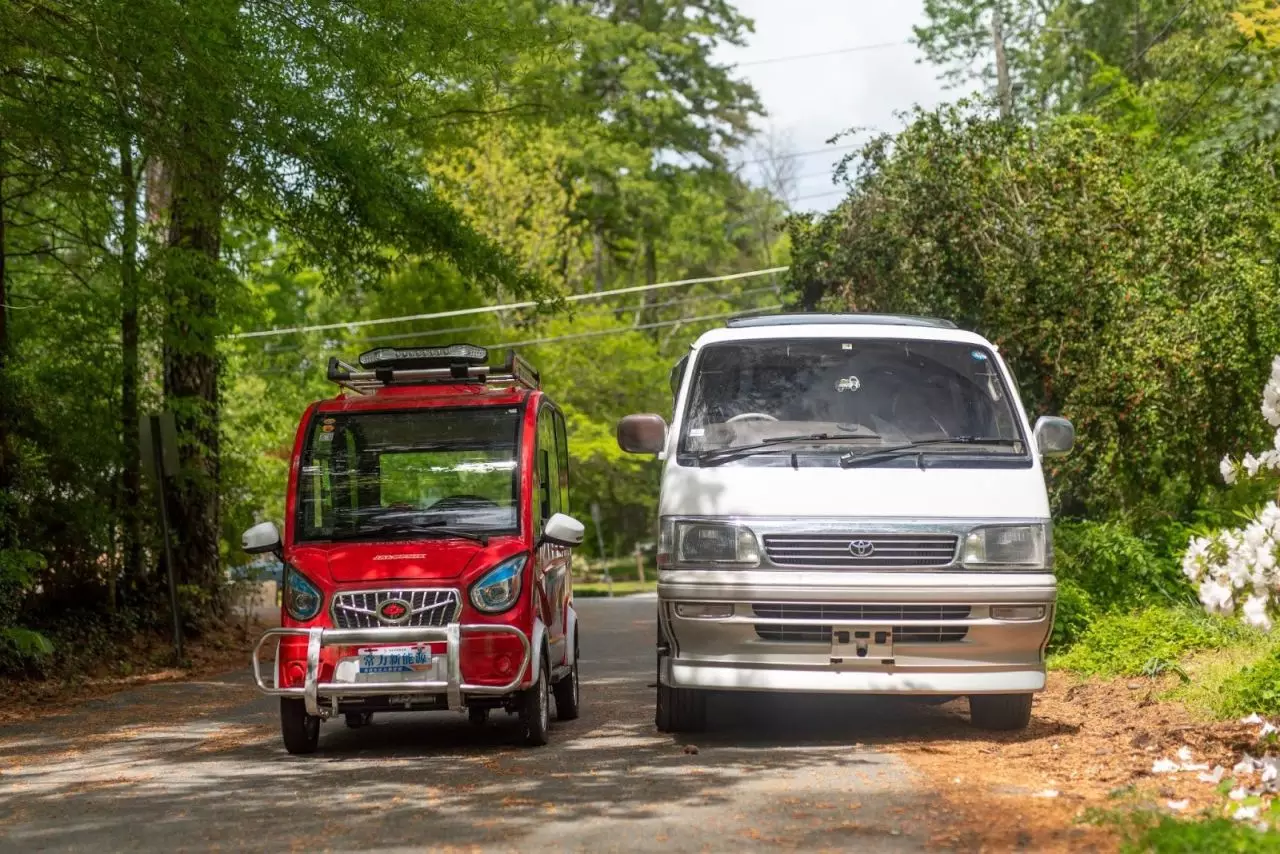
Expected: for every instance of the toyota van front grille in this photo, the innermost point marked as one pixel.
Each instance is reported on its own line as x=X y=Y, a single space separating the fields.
x=837 y=613
x=861 y=551
x=363 y=609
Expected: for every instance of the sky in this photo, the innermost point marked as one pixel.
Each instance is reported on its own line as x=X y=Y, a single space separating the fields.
x=810 y=100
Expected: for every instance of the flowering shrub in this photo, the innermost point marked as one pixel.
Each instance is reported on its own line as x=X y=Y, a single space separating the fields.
x=1238 y=569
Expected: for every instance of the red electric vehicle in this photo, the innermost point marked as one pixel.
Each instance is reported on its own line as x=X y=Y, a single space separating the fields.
x=426 y=548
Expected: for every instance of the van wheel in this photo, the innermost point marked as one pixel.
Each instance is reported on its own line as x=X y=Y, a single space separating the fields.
x=1000 y=711
x=568 y=691
x=535 y=709
x=355 y=720
x=679 y=709
x=301 y=731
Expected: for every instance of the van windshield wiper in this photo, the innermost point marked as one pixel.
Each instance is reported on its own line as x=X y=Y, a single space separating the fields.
x=723 y=455
x=428 y=530
x=876 y=455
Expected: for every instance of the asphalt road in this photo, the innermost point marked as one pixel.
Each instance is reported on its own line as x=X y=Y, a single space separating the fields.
x=199 y=766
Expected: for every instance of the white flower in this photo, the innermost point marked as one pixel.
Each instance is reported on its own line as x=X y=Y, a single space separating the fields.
x=1214 y=776
x=1238 y=794
x=1251 y=464
x=1228 y=469
x=1164 y=766
x=1244 y=813
x=1216 y=597
x=1255 y=613
x=1178 y=806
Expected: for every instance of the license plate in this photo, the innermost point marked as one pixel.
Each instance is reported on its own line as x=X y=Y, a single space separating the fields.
x=861 y=644
x=385 y=660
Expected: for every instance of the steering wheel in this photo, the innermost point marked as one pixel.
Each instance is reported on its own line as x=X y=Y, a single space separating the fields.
x=450 y=502
x=751 y=416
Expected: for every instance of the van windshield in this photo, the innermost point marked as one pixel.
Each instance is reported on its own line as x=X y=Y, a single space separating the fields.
x=848 y=397
x=404 y=475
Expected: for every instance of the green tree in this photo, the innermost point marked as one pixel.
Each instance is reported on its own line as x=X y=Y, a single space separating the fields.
x=1129 y=291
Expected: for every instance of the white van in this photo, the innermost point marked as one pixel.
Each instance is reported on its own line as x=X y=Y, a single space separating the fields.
x=851 y=503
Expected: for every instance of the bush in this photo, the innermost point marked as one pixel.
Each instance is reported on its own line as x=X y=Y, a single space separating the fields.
x=1168 y=835
x=1256 y=688
x=1147 y=642
x=1073 y=616
x=1117 y=568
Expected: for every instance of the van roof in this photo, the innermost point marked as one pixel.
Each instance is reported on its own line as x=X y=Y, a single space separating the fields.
x=841 y=326
x=859 y=318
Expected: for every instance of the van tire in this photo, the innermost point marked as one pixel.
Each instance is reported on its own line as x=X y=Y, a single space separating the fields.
x=535 y=709
x=568 y=690
x=300 y=730
x=1000 y=711
x=679 y=709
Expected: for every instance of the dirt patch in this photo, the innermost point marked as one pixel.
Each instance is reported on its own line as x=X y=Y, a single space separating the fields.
x=1089 y=745
x=213 y=654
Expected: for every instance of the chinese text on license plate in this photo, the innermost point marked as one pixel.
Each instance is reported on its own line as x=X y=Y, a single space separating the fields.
x=384 y=660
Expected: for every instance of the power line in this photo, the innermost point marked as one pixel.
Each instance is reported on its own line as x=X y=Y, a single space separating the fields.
x=593 y=334
x=490 y=309
x=854 y=49
x=796 y=154
x=1133 y=63
x=401 y=336
x=821 y=195
x=657 y=325
x=1186 y=112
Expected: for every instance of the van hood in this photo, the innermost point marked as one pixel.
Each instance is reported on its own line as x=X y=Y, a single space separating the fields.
x=935 y=493
x=421 y=560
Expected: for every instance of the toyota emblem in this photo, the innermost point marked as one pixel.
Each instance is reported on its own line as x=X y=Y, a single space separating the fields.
x=394 y=611
x=862 y=548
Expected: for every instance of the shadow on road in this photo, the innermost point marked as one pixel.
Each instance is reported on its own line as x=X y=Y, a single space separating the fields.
x=200 y=765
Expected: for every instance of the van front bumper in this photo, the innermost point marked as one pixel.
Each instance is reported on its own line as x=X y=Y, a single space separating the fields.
x=313 y=691
x=939 y=633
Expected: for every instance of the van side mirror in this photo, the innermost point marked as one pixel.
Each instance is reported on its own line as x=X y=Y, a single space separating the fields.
x=262 y=538
x=563 y=530
x=1055 y=437
x=642 y=434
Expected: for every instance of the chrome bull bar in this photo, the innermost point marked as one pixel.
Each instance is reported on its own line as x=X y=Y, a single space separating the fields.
x=453 y=686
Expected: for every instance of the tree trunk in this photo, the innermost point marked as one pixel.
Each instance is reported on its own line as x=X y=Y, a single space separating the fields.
x=192 y=274
x=1003 y=85
x=8 y=463
x=131 y=462
x=650 y=277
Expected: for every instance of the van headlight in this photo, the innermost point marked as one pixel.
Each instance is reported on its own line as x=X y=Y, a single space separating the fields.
x=499 y=588
x=302 y=599
x=712 y=543
x=1007 y=547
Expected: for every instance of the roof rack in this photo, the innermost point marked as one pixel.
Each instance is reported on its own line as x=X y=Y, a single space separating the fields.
x=458 y=364
x=813 y=318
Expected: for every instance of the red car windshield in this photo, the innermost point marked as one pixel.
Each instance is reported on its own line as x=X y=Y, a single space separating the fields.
x=401 y=475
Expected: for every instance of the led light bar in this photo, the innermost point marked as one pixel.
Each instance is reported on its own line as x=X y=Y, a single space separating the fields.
x=386 y=357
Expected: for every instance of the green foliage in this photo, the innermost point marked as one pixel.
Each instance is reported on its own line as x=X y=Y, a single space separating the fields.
x=1127 y=291
x=1117 y=568
x=1146 y=642
x=1255 y=688
x=1073 y=615
x=1153 y=833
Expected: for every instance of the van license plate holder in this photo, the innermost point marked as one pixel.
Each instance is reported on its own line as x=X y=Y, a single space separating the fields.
x=851 y=644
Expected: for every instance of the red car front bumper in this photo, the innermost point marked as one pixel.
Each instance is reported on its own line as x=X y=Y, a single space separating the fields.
x=478 y=660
